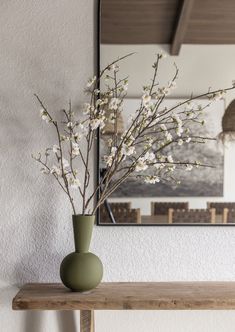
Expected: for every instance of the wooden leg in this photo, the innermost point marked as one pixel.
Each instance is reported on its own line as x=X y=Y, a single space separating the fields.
x=87 y=322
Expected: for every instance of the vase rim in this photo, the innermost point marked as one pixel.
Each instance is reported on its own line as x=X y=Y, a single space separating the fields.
x=83 y=215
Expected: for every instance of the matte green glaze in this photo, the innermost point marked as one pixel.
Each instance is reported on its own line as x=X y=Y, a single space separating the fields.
x=81 y=270
x=82 y=229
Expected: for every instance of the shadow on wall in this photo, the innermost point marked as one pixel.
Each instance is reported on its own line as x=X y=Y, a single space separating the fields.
x=33 y=321
x=41 y=260
x=65 y=320
x=33 y=234
x=41 y=263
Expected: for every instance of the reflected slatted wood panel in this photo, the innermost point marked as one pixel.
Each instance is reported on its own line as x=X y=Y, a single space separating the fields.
x=211 y=22
x=138 y=21
x=164 y=22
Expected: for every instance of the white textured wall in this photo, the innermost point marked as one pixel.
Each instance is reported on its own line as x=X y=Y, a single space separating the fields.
x=47 y=47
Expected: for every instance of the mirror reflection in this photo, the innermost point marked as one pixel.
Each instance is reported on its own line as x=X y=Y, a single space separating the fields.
x=201 y=42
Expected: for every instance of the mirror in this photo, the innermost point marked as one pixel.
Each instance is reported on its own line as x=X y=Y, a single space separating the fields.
x=202 y=44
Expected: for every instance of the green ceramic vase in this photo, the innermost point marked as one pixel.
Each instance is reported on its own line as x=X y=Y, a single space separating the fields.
x=81 y=270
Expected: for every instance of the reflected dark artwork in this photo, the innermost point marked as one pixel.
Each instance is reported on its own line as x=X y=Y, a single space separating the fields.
x=199 y=182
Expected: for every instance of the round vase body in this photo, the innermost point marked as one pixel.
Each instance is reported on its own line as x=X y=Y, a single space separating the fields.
x=81 y=271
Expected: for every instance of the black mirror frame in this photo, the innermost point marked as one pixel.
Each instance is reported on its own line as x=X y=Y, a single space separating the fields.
x=97 y=156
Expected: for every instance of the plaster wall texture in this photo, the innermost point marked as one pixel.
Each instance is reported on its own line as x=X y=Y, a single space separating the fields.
x=48 y=47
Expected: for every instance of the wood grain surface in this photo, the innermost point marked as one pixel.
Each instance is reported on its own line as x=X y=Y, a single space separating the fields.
x=126 y=295
x=87 y=323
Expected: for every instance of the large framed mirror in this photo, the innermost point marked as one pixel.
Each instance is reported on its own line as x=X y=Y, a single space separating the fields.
x=199 y=36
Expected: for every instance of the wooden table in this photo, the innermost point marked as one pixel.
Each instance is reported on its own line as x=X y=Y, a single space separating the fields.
x=127 y=296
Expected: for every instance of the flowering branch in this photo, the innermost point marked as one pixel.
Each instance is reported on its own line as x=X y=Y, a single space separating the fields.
x=61 y=160
x=144 y=145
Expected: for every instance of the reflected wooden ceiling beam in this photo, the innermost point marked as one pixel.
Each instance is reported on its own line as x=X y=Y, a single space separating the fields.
x=181 y=27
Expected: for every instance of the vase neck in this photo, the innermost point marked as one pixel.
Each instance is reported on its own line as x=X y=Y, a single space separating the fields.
x=82 y=228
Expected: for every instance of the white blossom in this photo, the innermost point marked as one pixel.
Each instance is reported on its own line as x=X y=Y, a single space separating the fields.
x=65 y=163
x=188 y=139
x=190 y=114
x=171 y=168
x=162 y=55
x=149 y=156
x=162 y=158
x=114 y=67
x=98 y=103
x=129 y=140
x=94 y=123
x=146 y=98
x=159 y=166
x=217 y=95
x=189 y=167
x=74 y=182
x=179 y=131
x=83 y=129
x=177 y=119
x=114 y=103
x=111 y=118
x=77 y=136
x=190 y=105
x=152 y=179
x=64 y=138
x=141 y=165
x=149 y=141
x=110 y=142
x=97 y=122
x=180 y=142
x=70 y=125
x=125 y=86
x=109 y=159
x=75 y=149
x=44 y=170
x=127 y=150
x=163 y=127
x=44 y=115
x=162 y=92
x=55 y=170
x=146 y=88
x=155 y=121
x=55 y=148
x=170 y=159
x=168 y=136
x=113 y=151
x=86 y=108
x=91 y=81
x=37 y=156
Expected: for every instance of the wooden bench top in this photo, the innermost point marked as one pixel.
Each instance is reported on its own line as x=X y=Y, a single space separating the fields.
x=129 y=295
